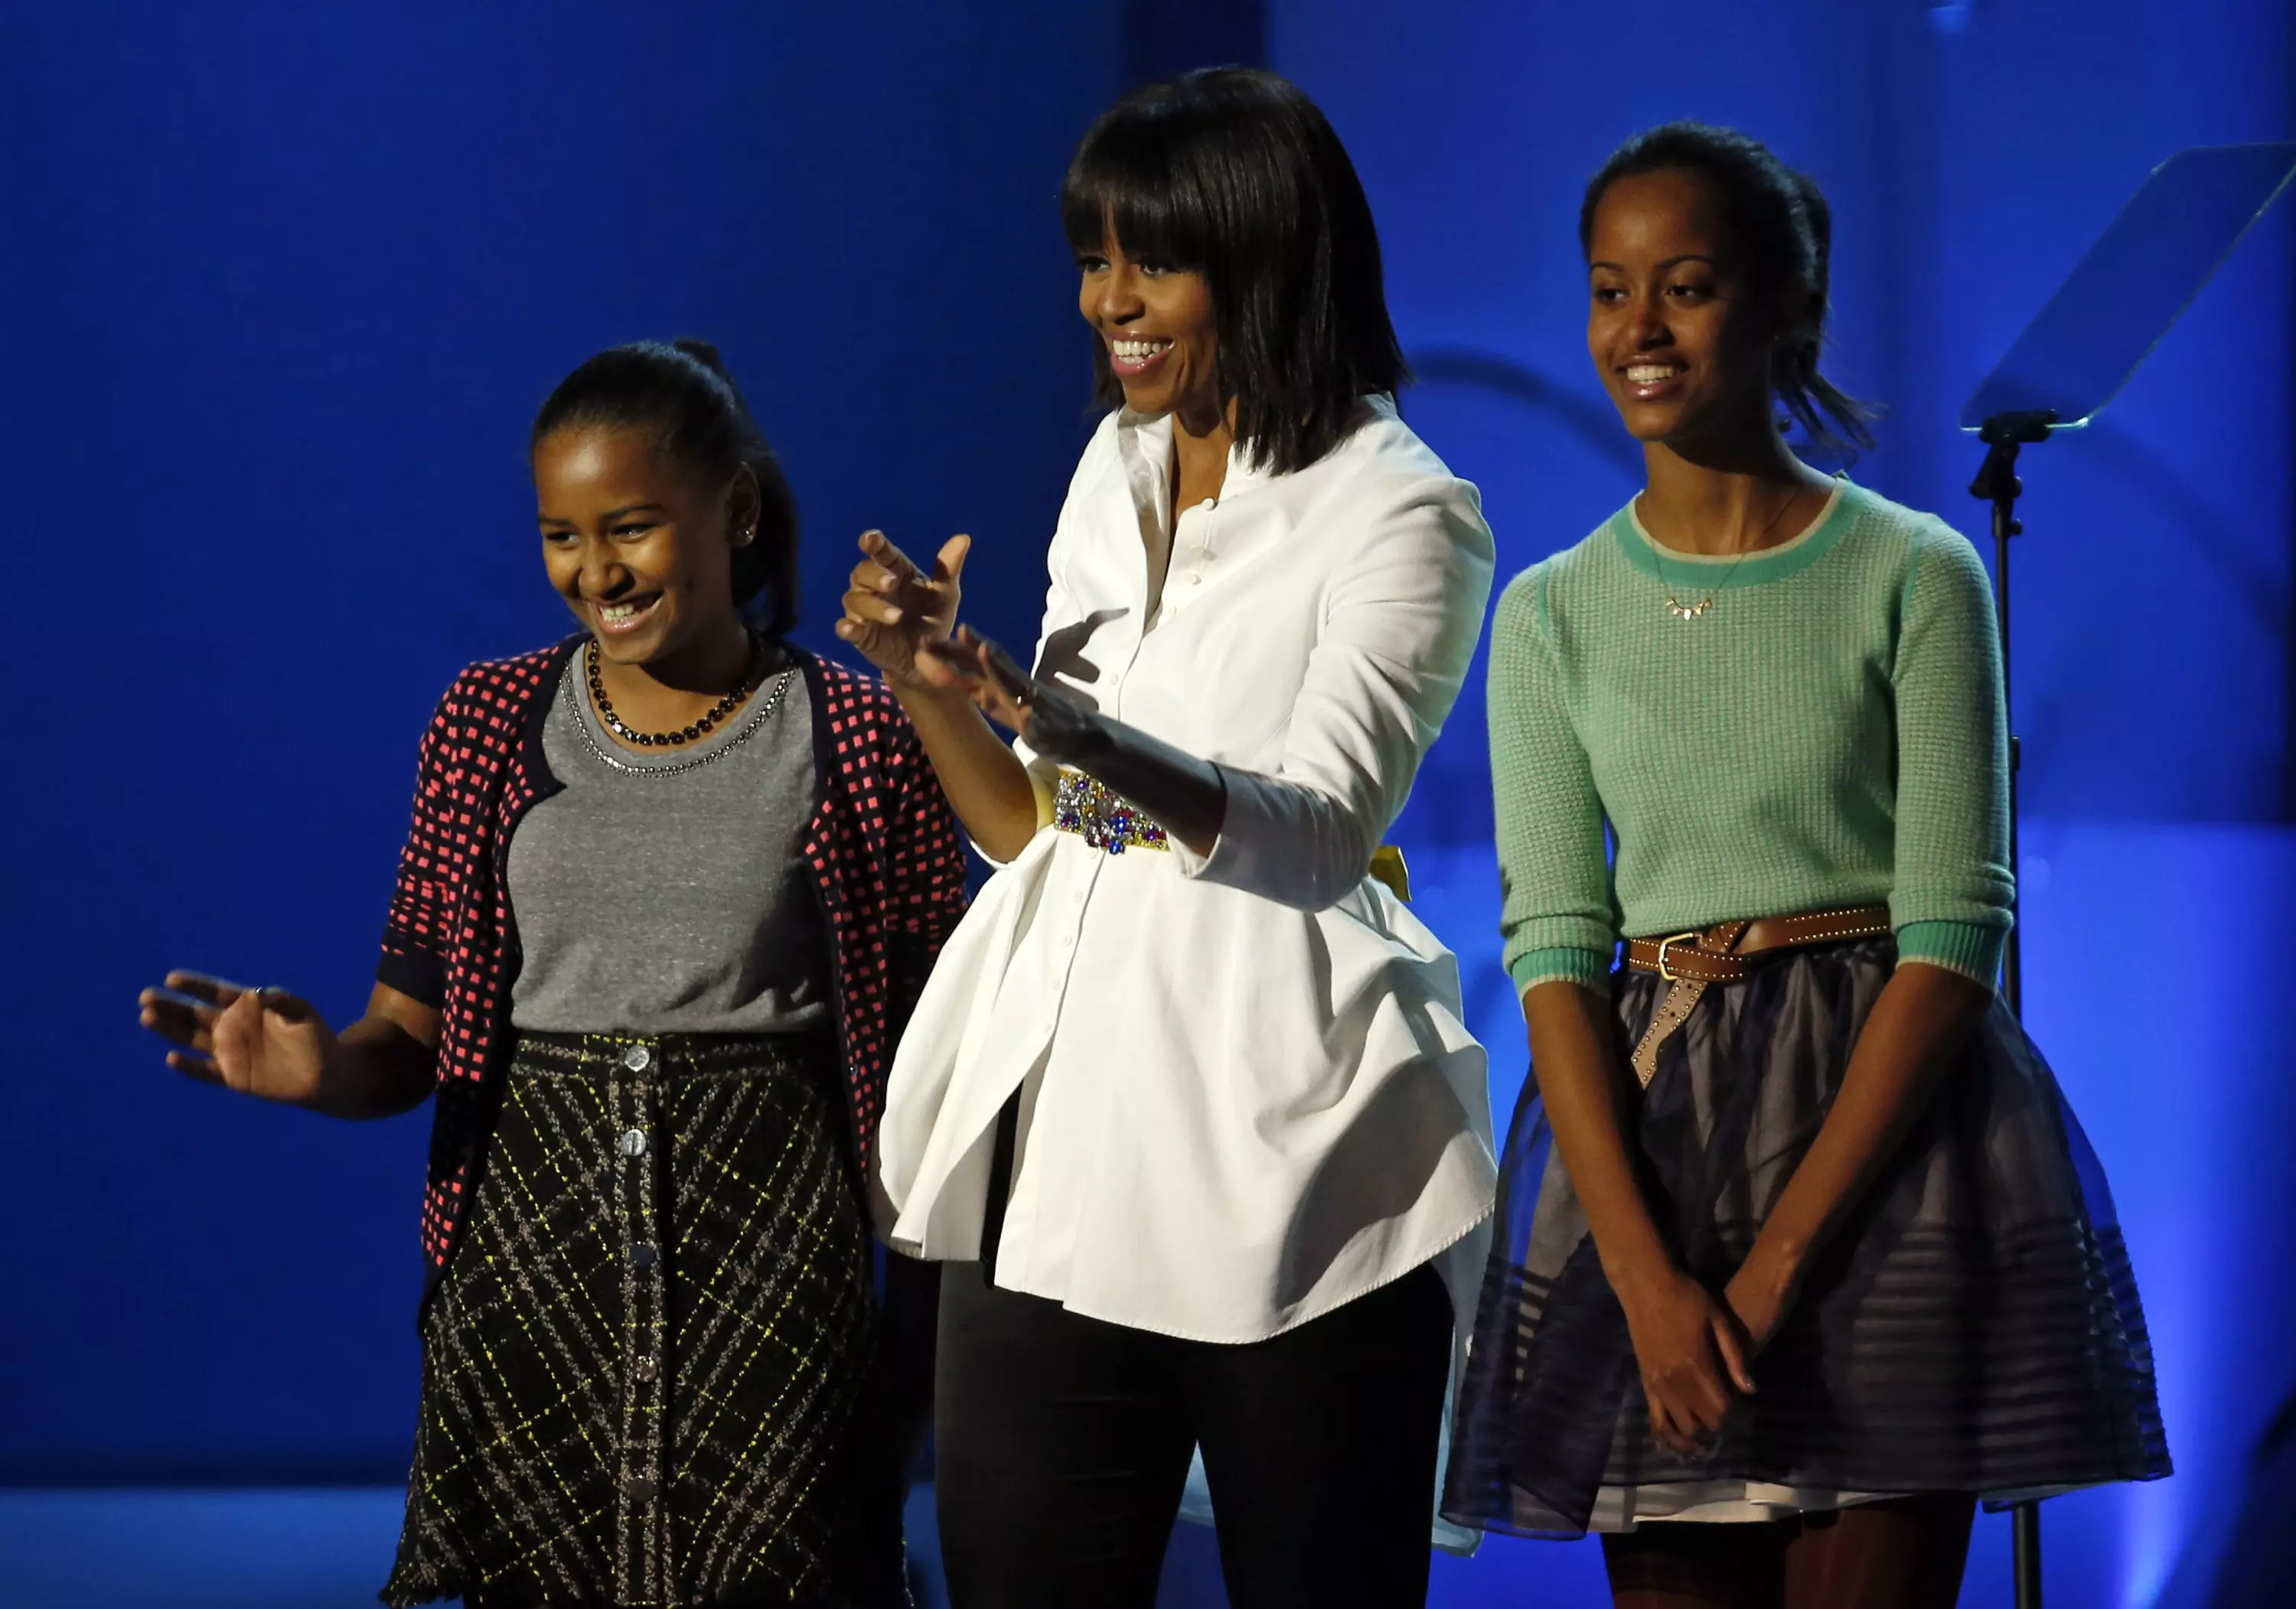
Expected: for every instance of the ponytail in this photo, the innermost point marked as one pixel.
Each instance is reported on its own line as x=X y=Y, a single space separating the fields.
x=684 y=394
x=1812 y=399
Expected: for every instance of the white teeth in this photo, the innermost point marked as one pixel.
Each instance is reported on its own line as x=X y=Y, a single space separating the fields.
x=1648 y=374
x=618 y=612
x=1137 y=352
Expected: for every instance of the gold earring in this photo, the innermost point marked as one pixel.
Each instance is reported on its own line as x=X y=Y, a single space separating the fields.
x=744 y=536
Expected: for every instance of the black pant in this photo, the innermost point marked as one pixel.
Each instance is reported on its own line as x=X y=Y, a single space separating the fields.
x=888 y=1434
x=1063 y=1445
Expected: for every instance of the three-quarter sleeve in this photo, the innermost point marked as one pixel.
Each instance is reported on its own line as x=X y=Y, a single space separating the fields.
x=414 y=934
x=1558 y=915
x=1950 y=900
x=1403 y=608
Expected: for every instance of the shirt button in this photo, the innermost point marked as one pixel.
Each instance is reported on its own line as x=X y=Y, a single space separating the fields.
x=1194 y=578
x=643 y=1254
x=640 y=1490
x=633 y=1142
x=644 y=1366
x=637 y=1059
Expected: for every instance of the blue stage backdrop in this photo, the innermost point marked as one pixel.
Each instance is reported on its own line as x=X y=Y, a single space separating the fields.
x=288 y=282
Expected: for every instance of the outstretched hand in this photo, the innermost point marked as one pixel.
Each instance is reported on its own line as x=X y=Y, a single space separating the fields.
x=258 y=1041
x=895 y=609
x=1051 y=719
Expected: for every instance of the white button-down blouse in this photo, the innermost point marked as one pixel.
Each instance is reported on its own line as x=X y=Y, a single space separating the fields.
x=1248 y=1094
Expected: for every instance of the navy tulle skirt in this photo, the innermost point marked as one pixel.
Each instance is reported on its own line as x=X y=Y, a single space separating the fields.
x=1974 y=1327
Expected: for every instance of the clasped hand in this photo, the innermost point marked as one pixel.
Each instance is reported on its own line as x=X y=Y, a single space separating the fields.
x=1692 y=1348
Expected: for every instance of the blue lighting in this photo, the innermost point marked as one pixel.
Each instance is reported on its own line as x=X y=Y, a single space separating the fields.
x=301 y=273
x=1952 y=16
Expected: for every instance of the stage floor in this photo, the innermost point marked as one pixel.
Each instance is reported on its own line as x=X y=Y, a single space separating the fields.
x=329 y=1548
x=194 y=1548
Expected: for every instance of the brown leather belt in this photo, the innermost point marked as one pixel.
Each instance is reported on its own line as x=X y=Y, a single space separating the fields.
x=1726 y=953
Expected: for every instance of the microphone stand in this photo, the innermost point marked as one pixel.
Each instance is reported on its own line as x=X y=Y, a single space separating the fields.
x=1996 y=482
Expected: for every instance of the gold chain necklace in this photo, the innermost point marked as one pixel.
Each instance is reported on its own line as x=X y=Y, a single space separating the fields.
x=1693 y=611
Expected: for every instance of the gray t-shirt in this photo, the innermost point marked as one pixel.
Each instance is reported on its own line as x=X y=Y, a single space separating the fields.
x=663 y=893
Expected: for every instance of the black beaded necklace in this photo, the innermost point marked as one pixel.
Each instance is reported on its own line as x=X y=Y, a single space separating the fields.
x=703 y=725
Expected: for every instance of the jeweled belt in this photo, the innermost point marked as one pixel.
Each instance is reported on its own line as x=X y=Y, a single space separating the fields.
x=1103 y=817
x=1107 y=820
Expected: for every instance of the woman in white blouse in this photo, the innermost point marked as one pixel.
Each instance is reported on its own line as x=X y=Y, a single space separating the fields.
x=1190 y=1089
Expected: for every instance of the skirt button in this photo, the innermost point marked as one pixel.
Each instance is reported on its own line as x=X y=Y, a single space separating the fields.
x=637 y=1059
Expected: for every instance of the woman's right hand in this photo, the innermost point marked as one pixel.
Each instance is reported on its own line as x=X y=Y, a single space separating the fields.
x=256 y=1041
x=893 y=610
x=1686 y=1346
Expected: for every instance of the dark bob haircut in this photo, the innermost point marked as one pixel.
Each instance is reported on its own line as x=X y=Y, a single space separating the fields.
x=1234 y=174
x=684 y=397
x=1781 y=218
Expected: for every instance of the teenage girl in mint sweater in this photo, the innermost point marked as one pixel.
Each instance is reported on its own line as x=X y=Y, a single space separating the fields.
x=1801 y=1250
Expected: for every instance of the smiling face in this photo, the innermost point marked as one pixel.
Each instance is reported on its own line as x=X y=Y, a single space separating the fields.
x=1154 y=320
x=640 y=550
x=1682 y=346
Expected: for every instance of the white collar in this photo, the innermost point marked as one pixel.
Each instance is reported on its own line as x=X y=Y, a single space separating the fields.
x=1146 y=440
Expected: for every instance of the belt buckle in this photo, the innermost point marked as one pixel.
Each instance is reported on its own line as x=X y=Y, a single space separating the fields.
x=1665 y=971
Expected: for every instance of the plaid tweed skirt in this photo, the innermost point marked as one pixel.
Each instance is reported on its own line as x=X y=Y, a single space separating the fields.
x=640 y=1365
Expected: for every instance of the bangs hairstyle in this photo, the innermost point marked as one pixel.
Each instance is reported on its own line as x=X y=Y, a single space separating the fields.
x=1786 y=229
x=1234 y=174
x=683 y=396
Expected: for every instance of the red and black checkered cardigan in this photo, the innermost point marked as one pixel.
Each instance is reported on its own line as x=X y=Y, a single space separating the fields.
x=882 y=844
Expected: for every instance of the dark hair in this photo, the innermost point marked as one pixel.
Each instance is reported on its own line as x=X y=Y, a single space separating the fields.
x=1234 y=174
x=683 y=394
x=1782 y=220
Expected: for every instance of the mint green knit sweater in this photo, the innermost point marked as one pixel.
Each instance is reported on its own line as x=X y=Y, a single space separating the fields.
x=1830 y=734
